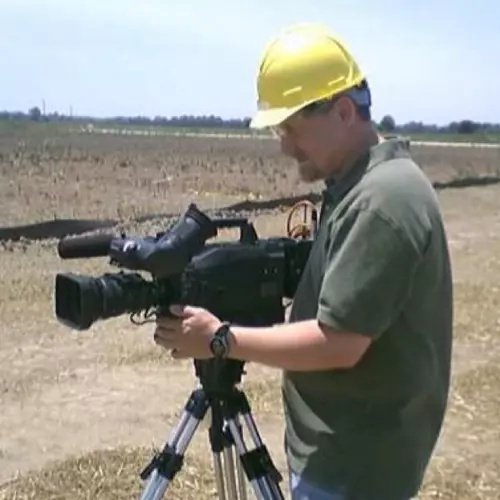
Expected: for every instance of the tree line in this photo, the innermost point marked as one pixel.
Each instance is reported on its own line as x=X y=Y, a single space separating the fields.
x=387 y=124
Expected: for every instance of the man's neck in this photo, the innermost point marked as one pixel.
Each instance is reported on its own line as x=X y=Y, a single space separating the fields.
x=359 y=148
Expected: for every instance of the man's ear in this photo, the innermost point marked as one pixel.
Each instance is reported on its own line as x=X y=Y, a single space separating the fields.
x=346 y=110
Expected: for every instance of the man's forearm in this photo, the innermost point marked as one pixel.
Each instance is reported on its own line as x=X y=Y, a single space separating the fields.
x=301 y=346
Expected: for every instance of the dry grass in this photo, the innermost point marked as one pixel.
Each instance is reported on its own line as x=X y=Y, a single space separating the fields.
x=125 y=177
x=110 y=474
x=80 y=410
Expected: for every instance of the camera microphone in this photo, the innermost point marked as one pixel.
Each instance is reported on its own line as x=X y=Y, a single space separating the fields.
x=85 y=246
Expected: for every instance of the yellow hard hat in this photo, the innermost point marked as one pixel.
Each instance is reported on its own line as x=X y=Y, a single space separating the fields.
x=302 y=64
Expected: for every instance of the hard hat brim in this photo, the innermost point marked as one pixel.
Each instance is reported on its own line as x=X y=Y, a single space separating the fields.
x=265 y=118
x=272 y=117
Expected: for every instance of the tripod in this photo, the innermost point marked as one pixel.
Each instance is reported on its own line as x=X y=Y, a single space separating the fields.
x=218 y=392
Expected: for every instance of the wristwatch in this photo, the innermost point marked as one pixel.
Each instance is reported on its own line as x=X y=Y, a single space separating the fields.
x=219 y=345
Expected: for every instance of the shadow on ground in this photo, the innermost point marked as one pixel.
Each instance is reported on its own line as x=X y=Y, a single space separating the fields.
x=60 y=228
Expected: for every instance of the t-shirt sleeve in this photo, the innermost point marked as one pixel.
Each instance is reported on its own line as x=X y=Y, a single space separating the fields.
x=369 y=272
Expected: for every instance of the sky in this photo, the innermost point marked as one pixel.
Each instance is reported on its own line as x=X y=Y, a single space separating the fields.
x=432 y=61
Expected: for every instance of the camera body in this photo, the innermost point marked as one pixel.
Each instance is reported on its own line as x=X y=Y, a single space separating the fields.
x=241 y=281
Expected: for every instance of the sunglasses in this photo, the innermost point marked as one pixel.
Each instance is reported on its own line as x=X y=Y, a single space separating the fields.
x=315 y=108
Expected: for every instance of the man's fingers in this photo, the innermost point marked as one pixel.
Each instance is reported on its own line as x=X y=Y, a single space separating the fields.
x=166 y=321
x=159 y=340
x=183 y=311
x=178 y=354
x=159 y=337
x=165 y=330
x=176 y=310
x=163 y=336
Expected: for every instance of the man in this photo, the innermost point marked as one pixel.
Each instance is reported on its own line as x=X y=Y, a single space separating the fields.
x=366 y=353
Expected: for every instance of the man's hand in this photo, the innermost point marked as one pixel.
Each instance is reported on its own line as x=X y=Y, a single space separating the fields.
x=302 y=346
x=188 y=334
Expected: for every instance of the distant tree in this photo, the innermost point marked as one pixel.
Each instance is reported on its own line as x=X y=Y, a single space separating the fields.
x=467 y=127
x=387 y=124
x=35 y=114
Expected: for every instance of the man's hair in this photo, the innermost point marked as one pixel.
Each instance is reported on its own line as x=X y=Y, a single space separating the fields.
x=359 y=94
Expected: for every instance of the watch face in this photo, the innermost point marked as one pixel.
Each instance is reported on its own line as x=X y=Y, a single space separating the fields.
x=218 y=347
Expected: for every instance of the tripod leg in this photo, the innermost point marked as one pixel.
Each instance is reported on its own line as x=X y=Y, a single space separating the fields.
x=219 y=476
x=232 y=466
x=217 y=445
x=229 y=470
x=275 y=476
x=165 y=464
x=257 y=463
x=234 y=485
x=256 y=474
x=221 y=443
x=239 y=469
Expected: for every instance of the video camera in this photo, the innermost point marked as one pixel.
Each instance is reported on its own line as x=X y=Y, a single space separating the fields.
x=241 y=281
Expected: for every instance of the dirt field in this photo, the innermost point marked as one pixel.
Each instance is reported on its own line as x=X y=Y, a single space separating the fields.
x=126 y=177
x=81 y=411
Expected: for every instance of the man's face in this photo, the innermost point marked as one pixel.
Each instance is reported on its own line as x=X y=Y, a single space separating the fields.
x=317 y=141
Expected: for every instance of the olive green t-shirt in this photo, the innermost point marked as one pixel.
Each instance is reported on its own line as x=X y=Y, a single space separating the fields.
x=379 y=267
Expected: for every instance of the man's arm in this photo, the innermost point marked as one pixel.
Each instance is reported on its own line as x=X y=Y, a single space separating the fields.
x=301 y=346
x=369 y=272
